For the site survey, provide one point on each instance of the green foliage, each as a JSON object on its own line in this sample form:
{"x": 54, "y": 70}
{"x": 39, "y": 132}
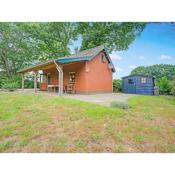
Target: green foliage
{"x": 54, "y": 38}
{"x": 122, "y": 105}
{"x": 5, "y": 145}
{"x": 22, "y": 44}
{"x": 164, "y": 85}
{"x": 115, "y": 36}
{"x": 158, "y": 71}
{"x": 139, "y": 138}
{"x": 173, "y": 86}
{"x": 163, "y": 73}
{"x": 11, "y": 84}
{"x": 117, "y": 85}
{"x": 16, "y": 47}
{"x": 29, "y": 84}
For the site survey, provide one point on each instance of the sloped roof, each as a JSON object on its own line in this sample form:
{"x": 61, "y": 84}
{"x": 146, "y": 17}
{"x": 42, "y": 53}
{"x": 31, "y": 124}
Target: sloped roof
{"x": 85, "y": 55}
{"x": 140, "y": 75}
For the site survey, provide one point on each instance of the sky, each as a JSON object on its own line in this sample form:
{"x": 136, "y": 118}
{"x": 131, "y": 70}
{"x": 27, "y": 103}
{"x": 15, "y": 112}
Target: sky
{"x": 156, "y": 45}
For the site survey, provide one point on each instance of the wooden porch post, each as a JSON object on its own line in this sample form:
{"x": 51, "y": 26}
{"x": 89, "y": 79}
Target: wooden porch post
{"x": 60, "y": 78}
{"x": 60, "y": 82}
{"x": 35, "y": 80}
{"x": 22, "y": 81}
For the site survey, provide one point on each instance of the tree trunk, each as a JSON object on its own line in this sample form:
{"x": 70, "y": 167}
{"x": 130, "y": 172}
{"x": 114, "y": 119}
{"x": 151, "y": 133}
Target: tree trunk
{"x": 5, "y": 62}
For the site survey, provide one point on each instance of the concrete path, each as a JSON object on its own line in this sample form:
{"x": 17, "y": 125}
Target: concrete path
{"x": 103, "y": 99}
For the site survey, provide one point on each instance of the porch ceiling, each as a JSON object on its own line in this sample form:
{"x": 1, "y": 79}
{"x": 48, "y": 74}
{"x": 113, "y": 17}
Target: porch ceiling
{"x": 39, "y": 67}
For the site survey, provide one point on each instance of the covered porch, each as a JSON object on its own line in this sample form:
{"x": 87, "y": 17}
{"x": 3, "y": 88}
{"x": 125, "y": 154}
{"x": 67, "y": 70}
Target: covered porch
{"x": 57, "y": 78}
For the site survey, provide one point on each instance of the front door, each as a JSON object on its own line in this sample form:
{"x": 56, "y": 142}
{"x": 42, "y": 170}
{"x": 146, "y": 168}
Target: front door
{"x": 131, "y": 86}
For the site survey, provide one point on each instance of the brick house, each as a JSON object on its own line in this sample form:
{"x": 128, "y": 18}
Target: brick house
{"x": 89, "y": 71}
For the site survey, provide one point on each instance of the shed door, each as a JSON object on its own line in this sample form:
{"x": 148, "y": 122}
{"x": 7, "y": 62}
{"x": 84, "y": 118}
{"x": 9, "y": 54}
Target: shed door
{"x": 131, "y": 86}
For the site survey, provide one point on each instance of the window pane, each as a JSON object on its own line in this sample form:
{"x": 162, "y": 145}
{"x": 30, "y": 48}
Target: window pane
{"x": 143, "y": 80}
{"x": 72, "y": 77}
{"x": 130, "y": 81}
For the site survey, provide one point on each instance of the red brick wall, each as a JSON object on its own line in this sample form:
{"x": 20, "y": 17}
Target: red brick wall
{"x": 80, "y": 75}
{"x": 90, "y": 76}
{"x": 99, "y": 77}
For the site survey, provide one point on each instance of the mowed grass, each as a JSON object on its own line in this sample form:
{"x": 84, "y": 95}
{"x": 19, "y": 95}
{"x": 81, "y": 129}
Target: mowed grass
{"x": 43, "y": 123}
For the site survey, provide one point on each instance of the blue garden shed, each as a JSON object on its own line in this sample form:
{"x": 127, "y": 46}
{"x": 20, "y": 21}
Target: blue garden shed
{"x": 138, "y": 84}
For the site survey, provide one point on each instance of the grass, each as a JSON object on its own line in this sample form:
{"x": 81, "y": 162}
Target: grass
{"x": 43, "y": 123}
{"x": 121, "y": 105}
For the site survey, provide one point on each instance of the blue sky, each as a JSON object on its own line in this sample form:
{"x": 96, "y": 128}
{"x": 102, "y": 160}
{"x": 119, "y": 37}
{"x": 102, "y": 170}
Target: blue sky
{"x": 156, "y": 45}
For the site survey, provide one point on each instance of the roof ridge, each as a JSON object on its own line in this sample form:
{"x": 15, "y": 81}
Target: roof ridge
{"x": 83, "y": 51}
{"x": 93, "y": 48}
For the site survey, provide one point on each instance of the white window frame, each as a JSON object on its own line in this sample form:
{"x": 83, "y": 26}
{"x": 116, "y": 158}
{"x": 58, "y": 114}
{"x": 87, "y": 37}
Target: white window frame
{"x": 143, "y": 80}
{"x": 69, "y": 77}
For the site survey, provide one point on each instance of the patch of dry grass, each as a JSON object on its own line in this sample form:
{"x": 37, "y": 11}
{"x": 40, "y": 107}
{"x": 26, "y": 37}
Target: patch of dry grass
{"x": 42, "y": 123}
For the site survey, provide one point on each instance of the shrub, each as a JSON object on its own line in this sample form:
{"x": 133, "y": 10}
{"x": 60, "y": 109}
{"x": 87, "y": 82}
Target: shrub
{"x": 122, "y": 105}
{"x": 164, "y": 85}
{"x": 117, "y": 85}
{"x": 28, "y": 84}
{"x": 11, "y": 84}
{"x": 173, "y": 86}
{"x": 173, "y": 91}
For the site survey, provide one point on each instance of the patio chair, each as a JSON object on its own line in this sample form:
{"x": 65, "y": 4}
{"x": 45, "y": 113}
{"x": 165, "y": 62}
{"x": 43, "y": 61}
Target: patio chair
{"x": 70, "y": 89}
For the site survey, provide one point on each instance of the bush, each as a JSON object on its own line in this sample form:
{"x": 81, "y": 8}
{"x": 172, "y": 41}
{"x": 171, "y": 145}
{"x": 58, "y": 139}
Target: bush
{"x": 28, "y": 84}
{"x": 173, "y": 91}
{"x": 11, "y": 84}
{"x": 173, "y": 86}
{"x": 117, "y": 85}
{"x": 122, "y": 105}
{"x": 164, "y": 85}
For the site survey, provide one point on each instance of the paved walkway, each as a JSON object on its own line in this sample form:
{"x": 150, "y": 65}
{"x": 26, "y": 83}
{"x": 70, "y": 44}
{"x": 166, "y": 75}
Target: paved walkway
{"x": 103, "y": 99}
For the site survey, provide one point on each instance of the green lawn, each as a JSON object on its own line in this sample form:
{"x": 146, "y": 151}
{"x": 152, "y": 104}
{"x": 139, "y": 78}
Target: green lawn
{"x": 42, "y": 123}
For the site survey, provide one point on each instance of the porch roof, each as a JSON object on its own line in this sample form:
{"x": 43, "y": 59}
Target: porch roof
{"x": 85, "y": 55}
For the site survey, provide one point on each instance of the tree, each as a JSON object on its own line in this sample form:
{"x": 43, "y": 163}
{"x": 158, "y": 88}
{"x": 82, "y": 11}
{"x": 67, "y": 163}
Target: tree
{"x": 115, "y": 36}
{"x": 117, "y": 85}
{"x": 15, "y": 48}
{"x": 173, "y": 86}
{"x": 56, "y": 37}
{"x": 22, "y": 44}
{"x": 164, "y": 85}
{"x": 158, "y": 71}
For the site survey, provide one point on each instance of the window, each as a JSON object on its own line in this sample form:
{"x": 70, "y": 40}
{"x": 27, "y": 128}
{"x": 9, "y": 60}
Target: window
{"x": 102, "y": 58}
{"x": 143, "y": 80}
{"x": 130, "y": 81}
{"x": 72, "y": 77}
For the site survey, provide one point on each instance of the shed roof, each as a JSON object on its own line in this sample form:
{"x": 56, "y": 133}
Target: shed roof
{"x": 85, "y": 55}
{"x": 141, "y": 75}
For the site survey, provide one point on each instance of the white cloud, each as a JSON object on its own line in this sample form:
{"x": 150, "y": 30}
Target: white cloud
{"x": 118, "y": 69}
{"x": 116, "y": 56}
{"x": 132, "y": 66}
{"x": 165, "y": 57}
{"x": 142, "y": 57}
